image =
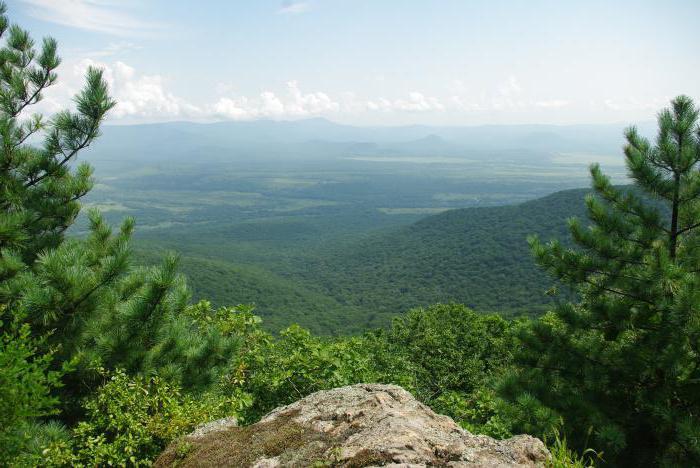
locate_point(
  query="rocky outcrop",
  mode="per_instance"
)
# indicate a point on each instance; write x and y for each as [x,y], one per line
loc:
[220,425]
[354,426]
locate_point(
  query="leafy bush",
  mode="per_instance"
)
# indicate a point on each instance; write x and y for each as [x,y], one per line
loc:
[280,371]
[26,382]
[456,355]
[478,412]
[130,420]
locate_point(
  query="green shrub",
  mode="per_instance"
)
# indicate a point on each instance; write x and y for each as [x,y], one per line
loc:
[26,382]
[130,420]
[281,371]
[478,412]
[565,457]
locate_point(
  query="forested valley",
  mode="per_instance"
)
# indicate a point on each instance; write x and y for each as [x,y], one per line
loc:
[470,266]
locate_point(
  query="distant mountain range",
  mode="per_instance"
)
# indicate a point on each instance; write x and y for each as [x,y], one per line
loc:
[321,137]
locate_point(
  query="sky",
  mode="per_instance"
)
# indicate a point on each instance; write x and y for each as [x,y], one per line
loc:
[375,62]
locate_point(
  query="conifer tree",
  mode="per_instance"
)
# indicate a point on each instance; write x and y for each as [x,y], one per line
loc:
[70,300]
[38,201]
[621,367]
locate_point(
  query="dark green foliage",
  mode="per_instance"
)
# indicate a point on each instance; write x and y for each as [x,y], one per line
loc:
[623,362]
[321,237]
[280,371]
[124,363]
[75,301]
[456,356]
[38,201]
[452,347]
[130,420]
[26,382]
[475,256]
[447,355]
[280,300]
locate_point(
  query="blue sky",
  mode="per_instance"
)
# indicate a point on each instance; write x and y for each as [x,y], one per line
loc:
[376,61]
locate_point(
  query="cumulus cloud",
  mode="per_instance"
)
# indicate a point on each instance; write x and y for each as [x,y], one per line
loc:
[268,105]
[459,103]
[271,106]
[233,108]
[147,97]
[508,95]
[310,103]
[415,102]
[139,95]
[104,16]
[291,7]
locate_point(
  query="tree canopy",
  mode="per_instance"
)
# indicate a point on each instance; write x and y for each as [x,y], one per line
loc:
[621,367]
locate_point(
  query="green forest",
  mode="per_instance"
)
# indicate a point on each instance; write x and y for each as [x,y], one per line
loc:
[475,256]
[590,340]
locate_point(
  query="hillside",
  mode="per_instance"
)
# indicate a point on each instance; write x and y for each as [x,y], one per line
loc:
[478,256]
[279,301]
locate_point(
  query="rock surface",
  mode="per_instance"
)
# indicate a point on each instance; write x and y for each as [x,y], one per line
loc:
[219,425]
[354,426]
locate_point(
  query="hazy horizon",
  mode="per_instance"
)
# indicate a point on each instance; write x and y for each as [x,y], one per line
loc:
[648,121]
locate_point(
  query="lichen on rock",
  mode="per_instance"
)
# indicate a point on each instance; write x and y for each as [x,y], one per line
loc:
[354,426]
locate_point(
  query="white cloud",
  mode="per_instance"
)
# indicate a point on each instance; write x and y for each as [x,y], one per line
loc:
[271,105]
[309,104]
[138,95]
[508,95]
[268,105]
[460,103]
[105,16]
[552,103]
[147,97]
[415,102]
[612,105]
[291,7]
[233,108]
[511,87]
[380,104]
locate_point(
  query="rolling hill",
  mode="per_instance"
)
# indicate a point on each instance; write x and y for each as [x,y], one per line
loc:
[477,256]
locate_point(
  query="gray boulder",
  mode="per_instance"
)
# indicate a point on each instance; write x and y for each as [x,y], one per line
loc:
[354,426]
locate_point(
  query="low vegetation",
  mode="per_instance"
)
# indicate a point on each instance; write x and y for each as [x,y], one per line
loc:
[105,361]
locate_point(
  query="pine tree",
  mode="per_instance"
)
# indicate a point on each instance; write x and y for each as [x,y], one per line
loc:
[38,201]
[621,367]
[82,299]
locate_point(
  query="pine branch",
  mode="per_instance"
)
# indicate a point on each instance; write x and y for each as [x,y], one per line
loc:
[84,144]
[620,293]
[689,228]
[43,85]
